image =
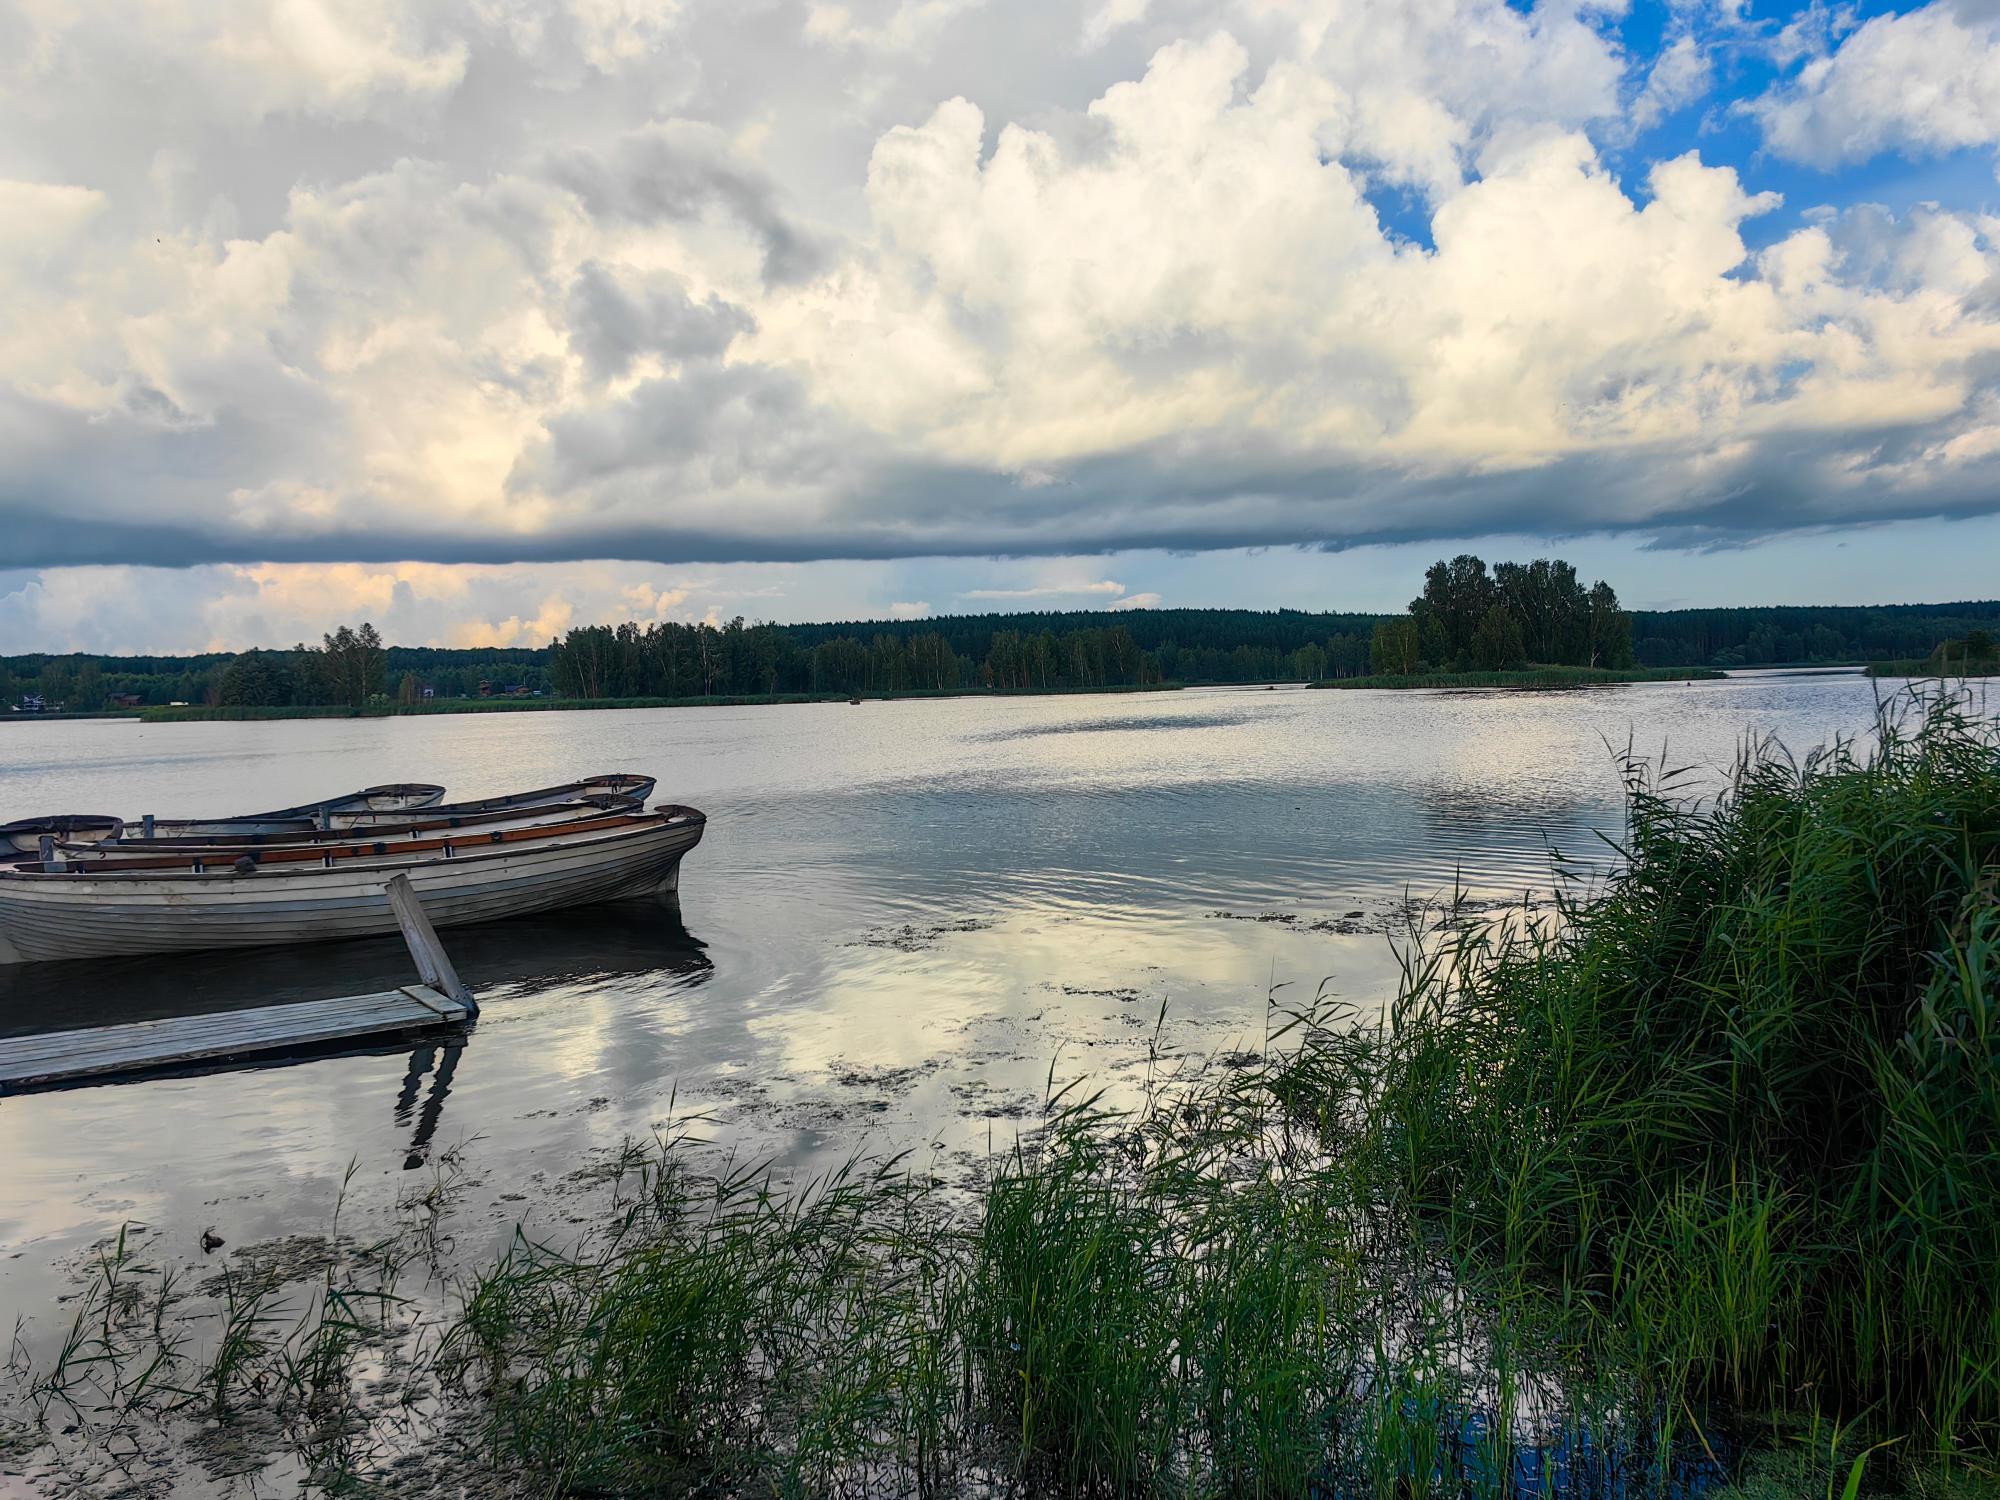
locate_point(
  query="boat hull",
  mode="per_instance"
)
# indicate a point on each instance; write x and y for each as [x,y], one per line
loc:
[85,915]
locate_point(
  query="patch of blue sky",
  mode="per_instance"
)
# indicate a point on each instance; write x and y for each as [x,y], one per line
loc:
[1402,210]
[1720,126]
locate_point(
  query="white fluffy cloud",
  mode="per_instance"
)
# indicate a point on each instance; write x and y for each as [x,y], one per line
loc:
[1679,75]
[1922,81]
[485,283]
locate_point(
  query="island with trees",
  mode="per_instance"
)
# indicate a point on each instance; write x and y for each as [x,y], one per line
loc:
[1530,624]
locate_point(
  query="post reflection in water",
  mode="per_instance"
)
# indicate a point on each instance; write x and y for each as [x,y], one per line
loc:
[421,1060]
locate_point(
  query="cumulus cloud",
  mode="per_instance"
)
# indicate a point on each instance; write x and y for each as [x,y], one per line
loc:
[1679,75]
[1923,81]
[41,219]
[1110,16]
[417,284]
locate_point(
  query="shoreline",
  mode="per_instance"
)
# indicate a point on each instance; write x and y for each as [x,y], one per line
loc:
[1542,677]
[193,714]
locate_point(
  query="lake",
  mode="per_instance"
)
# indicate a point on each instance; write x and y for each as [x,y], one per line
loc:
[905,920]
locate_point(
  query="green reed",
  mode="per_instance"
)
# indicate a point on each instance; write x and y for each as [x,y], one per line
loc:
[1743,1101]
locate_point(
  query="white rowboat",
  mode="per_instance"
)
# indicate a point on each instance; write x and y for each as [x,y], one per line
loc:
[87,909]
[25,836]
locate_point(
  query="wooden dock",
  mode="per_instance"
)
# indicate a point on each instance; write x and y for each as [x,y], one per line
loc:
[54,1058]
[57,1057]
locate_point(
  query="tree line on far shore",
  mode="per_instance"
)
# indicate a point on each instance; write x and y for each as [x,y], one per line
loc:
[352,667]
[1468,617]
[667,659]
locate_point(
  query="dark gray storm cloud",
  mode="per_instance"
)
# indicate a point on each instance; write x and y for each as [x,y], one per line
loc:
[616,316]
[674,172]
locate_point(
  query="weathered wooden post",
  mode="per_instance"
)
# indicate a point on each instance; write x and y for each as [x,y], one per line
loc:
[432,962]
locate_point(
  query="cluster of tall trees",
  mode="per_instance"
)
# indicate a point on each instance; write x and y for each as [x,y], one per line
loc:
[348,670]
[885,664]
[668,660]
[1471,619]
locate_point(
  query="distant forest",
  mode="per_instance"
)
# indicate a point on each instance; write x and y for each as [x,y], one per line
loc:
[1454,625]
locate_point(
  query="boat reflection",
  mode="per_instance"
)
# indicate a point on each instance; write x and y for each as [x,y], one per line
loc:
[524,955]
[502,961]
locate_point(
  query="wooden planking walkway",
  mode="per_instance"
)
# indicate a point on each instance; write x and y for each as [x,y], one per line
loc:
[55,1057]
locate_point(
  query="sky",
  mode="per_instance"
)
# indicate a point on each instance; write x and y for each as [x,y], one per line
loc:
[486,319]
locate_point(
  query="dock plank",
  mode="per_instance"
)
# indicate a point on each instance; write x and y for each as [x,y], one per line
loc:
[140,1046]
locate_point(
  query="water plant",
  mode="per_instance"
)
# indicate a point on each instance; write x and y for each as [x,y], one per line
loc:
[1743,1101]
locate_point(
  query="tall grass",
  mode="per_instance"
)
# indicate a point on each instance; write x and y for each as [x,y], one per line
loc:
[1743,1103]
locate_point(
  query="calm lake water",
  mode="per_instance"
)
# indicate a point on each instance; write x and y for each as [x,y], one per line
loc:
[904,919]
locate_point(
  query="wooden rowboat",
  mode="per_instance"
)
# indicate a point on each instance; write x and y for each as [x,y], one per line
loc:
[396,798]
[616,785]
[25,836]
[179,901]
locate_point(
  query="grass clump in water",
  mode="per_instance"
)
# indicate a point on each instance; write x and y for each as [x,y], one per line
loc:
[1742,1105]
[725,1335]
